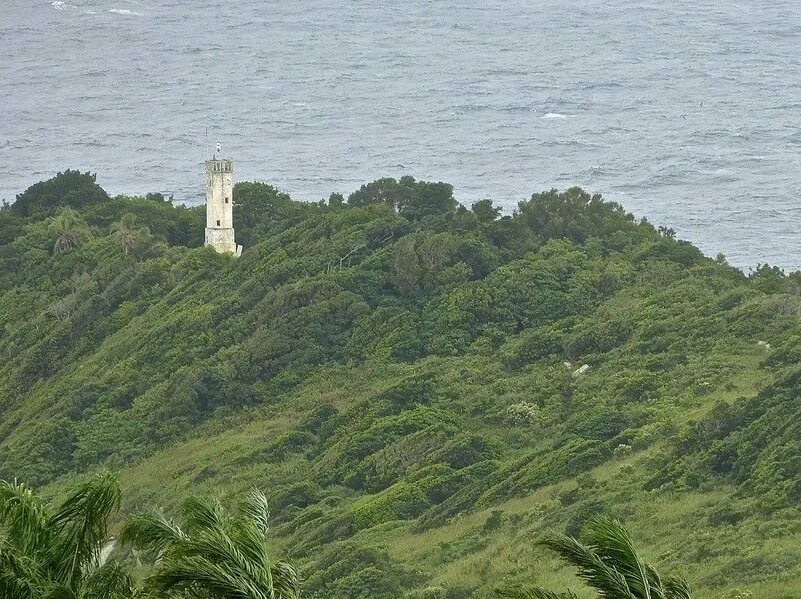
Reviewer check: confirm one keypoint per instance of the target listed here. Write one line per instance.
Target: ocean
(686, 112)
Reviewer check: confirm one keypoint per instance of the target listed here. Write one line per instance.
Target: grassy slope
(465, 552)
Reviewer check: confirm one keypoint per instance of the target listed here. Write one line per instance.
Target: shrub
(402, 501)
(70, 188)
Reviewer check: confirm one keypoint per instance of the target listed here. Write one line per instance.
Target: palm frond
(13, 587)
(251, 544)
(655, 582)
(203, 513)
(676, 588)
(249, 529)
(23, 516)
(59, 591)
(216, 546)
(81, 523)
(216, 555)
(192, 572)
(110, 581)
(285, 581)
(609, 540)
(254, 508)
(607, 561)
(19, 578)
(609, 583)
(69, 228)
(151, 532)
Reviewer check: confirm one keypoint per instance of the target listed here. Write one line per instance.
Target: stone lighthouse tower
(220, 205)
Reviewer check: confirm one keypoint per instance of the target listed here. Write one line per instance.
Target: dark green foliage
(542, 467)
(287, 500)
(386, 333)
(176, 224)
(70, 188)
(50, 551)
(532, 346)
(425, 263)
(409, 393)
(359, 572)
(466, 449)
(413, 199)
(600, 425)
(577, 216)
(383, 191)
(262, 210)
(485, 212)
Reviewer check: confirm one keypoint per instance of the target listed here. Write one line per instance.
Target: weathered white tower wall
(220, 206)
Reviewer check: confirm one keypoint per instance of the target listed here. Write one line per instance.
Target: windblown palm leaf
(19, 577)
(676, 588)
(24, 518)
(607, 560)
(126, 232)
(136, 240)
(215, 554)
(69, 229)
(53, 554)
(81, 526)
(109, 581)
(609, 582)
(151, 532)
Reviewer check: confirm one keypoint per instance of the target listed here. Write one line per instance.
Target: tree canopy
(70, 188)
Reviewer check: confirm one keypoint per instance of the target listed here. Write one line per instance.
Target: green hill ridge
(421, 389)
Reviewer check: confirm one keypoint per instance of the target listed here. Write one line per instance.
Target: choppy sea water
(686, 112)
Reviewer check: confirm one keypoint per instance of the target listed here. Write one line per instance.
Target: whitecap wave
(58, 5)
(125, 11)
(554, 115)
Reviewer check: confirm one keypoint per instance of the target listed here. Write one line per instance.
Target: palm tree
(70, 230)
(55, 553)
(127, 232)
(607, 561)
(150, 246)
(137, 240)
(214, 554)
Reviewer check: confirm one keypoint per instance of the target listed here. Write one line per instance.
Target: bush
(357, 572)
(402, 501)
(601, 425)
(291, 442)
(298, 495)
(70, 188)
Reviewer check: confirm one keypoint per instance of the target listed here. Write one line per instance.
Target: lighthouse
(220, 205)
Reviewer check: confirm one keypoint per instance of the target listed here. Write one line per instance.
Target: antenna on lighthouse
(219, 147)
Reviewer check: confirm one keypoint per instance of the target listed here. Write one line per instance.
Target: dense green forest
(420, 389)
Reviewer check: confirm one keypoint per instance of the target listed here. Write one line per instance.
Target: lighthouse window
(226, 200)
(218, 223)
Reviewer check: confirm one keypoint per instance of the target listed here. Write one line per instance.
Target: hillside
(405, 378)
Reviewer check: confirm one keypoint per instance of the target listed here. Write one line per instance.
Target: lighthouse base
(222, 240)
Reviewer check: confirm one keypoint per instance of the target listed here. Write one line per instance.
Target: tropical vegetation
(214, 554)
(56, 552)
(421, 389)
